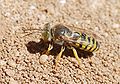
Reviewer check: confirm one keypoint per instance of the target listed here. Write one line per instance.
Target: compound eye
(63, 32)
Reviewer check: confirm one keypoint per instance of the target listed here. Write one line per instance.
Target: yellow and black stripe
(86, 43)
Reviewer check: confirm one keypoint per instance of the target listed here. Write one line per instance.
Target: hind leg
(76, 55)
(59, 56)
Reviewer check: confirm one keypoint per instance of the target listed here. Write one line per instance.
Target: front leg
(50, 47)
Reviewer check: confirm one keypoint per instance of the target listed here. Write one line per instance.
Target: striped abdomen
(84, 42)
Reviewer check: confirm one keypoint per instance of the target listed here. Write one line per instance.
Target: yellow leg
(59, 55)
(75, 54)
(49, 48)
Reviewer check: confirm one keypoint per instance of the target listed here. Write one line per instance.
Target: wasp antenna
(29, 33)
(25, 30)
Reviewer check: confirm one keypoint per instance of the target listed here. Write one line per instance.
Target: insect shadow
(39, 47)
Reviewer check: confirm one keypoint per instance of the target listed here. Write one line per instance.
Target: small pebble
(20, 67)
(7, 14)
(32, 7)
(106, 34)
(10, 72)
(42, 17)
(116, 25)
(43, 58)
(2, 62)
(12, 81)
(17, 53)
(73, 60)
(96, 28)
(62, 1)
(12, 63)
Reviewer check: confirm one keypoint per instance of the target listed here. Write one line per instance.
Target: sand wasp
(67, 38)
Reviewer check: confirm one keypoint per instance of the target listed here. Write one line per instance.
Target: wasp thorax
(61, 30)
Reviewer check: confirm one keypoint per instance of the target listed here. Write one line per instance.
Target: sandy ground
(19, 66)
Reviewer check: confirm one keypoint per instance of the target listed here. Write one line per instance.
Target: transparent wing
(88, 32)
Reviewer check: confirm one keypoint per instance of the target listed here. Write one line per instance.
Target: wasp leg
(90, 60)
(75, 54)
(59, 55)
(49, 48)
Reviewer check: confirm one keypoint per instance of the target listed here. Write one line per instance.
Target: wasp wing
(90, 33)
